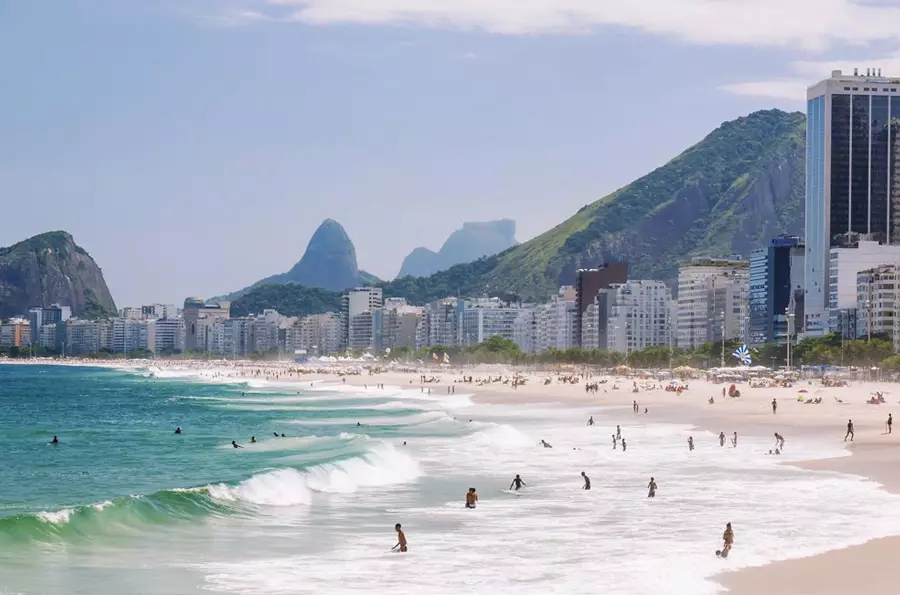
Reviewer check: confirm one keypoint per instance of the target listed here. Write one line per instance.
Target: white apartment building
(712, 293)
(128, 335)
(844, 265)
(169, 335)
(47, 338)
(878, 302)
(265, 331)
(486, 319)
(525, 329)
(590, 327)
(639, 315)
(362, 310)
(319, 334)
(131, 313)
(237, 337)
(84, 336)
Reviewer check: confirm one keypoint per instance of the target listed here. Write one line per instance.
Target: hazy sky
(193, 146)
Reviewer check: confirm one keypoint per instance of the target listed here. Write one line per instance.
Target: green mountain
(289, 300)
(51, 268)
(473, 241)
(730, 193)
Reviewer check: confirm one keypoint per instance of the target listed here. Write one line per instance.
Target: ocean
(124, 506)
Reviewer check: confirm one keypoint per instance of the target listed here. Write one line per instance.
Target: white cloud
(811, 24)
(241, 17)
(808, 72)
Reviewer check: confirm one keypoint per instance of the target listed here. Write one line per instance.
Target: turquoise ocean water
(123, 506)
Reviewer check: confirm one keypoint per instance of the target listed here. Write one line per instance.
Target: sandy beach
(875, 454)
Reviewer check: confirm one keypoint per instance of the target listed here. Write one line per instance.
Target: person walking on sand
(652, 487)
(774, 406)
(615, 442)
(624, 446)
(618, 432)
(587, 482)
(849, 430)
(890, 423)
(734, 440)
(634, 406)
(721, 438)
(779, 441)
(691, 443)
(401, 539)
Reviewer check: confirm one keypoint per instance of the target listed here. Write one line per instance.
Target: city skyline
(288, 113)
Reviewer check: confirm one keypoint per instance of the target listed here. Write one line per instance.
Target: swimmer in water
(401, 539)
(587, 482)
(178, 430)
(518, 482)
(235, 444)
(545, 444)
(471, 498)
(252, 439)
(275, 434)
(55, 441)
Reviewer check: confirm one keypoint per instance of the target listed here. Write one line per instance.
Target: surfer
(55, 441)
(178, 430)
(235, 444)
(518, 482)
(401, 539)
(471, 498)
(587, 481)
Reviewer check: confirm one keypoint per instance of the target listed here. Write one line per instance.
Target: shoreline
(873, 455)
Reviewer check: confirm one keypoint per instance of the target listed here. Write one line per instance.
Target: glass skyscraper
(852, 174)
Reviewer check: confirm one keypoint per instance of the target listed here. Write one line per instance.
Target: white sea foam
(57, 517)
(281, 487)
(552, 537)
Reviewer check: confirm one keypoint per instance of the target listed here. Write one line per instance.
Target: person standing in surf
(471, 498)
(691, 443)
(401, 539)
(734, 440)
(721, 438)
(779, 441)
(849, 433)
(774, 406)
(587, 482)
(517, 481)
(652, 487)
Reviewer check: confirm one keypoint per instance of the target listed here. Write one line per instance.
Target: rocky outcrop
(51, 269)
(473, 241)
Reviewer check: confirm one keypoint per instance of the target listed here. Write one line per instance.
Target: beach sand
(875, 455)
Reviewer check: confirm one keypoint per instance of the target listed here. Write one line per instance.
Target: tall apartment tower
(588, 283)
(852, 174)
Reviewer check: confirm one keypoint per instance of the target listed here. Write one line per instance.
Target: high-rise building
(199, 318)
(588, 283)
(493, 319)
(843, 267)
(638, 315)
(712, 295)
(15, 332)
(441, 322)
(852, 175)
(41, 317)
(878, 302)
(776, 291)
(362, 310)
(399, 323)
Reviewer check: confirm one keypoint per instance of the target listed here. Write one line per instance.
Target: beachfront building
(83, 337)
(638, 315)
(399, 323)
(15, 332)
(441, 319)
(555, 322)
(237, 336)
(156, 311)
(200, 319)
(712, 298)
(485, 318)
(776, 291)
(266, 330)
(129, 335)
(845, 263)
(878, 302)
(38, 318)
(169, 336)
(319, 334)
(525, 329)
(362, 310)
(852, 191)
(588, 283)
(591, 336)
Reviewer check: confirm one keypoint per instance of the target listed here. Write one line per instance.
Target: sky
(193, 146)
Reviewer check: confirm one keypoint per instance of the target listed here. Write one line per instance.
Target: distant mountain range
(329, 262)
(730, 193)
(51, 268)
(472, 242)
